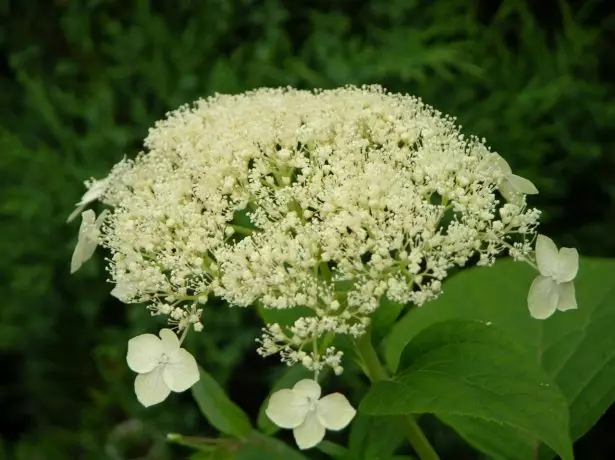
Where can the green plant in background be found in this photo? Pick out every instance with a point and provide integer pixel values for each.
(82, 82)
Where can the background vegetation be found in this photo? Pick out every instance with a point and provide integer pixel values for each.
(81, 82)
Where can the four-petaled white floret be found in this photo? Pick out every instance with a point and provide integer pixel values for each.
(553, 288)
(307, 414)
(162, 366)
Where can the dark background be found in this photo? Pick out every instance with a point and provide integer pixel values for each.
(81, 82)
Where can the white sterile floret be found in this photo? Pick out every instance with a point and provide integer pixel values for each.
(162, 366)
(96, 188)
(512, 187)
(553, 289)
(307, 414)
(87, 240)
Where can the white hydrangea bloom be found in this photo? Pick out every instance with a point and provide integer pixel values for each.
(89, 232)
(328, 200)
(162, 366)
(553, 289)
(307, 414)
(512, 187)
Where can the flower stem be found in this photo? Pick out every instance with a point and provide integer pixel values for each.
(376, 371)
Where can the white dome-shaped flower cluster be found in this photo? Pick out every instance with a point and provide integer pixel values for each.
(328, 200)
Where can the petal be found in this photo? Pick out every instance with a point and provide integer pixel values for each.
(567, 297)
(287, 409)
(542, 298)
(84, 249)
(310, 432)
(76, 212)
(522, 185)
(88, 217)
(87, 240)
(568, 265)
(144, 353)
(170, 342)
(506, 190)
(510, 194)
(96, 190)
(121, 292)
(308, 388)
(100, 219)
(501, 164)
(182, 372)
(547, 256)
(334, 411)
(150, 388)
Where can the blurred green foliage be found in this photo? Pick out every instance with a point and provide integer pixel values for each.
(83, 80)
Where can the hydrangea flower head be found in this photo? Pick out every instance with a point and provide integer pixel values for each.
(162, 366)
(553, 288)
(327, 200)
(307, 414)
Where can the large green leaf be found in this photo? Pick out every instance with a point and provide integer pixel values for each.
(218, 409)
(498, 441)
(473, 369)
(374, 438)
(576, 348)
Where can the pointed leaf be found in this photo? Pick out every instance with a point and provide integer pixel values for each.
(374, 437)
(218, 409)
(576, 348)
(473, 369)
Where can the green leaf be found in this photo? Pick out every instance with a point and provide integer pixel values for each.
(335, 451)
(255, 447)
(218, 409)
(374, 438)
(290, 376)
(575, 348)
(261, 447)
(471, 369)
(193, 442)
(496, 440)
(221, 452)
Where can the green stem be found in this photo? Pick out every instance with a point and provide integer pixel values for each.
(242, 230)
(376, 371)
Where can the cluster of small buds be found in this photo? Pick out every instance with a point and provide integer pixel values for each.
(292, 342)
(326, 200)
(181, 317)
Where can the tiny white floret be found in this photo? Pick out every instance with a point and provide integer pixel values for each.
(162, 366)
(553, 289)
(95, 191)
(512, 187)
(307, 414)
(87, 240)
